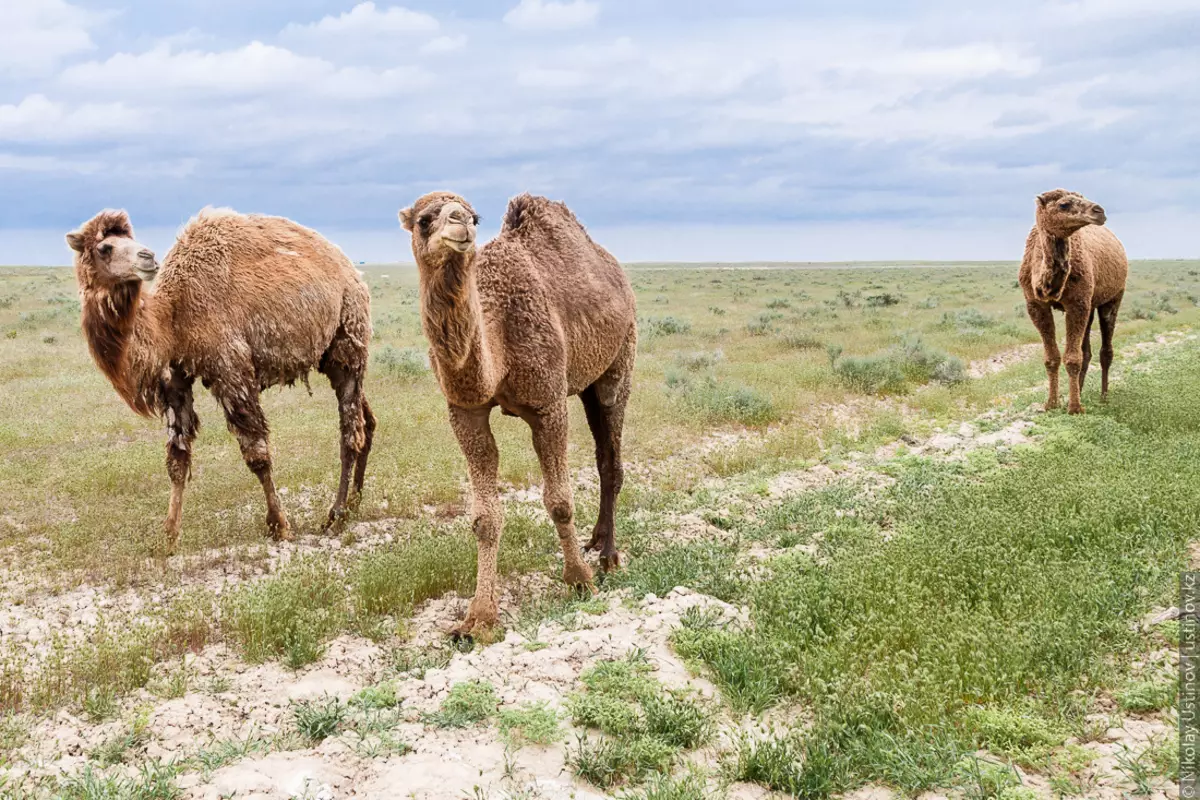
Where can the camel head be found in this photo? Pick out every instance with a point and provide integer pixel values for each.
(106, 253)
(442, 225)
(1061, 213)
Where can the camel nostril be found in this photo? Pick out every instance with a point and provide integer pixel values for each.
(146, 254)
(1098, 210)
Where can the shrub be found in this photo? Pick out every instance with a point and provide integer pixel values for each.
(663, 326)
(701, 360)
(870, 374)
(883, 300)
(405, 362)
(802, 341)
(532, 723)
(318, 720)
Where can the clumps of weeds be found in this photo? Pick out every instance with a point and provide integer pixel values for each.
(803, 341)
(317, 720)
(698, 361)
(468, 703)
(666, 787)
(718, 402)
(775, 763)
(910, 362)
(99, 704)
(986, 780)
(883, 300)
(374, 698)
(116, 748)
(531, 723)
(291, 615)
(154, 781)
(967, 321)
(716, 311)
(663, 326)
(643, 726)
(401, 362)
(779, 303)
(1146, 696)
(763, 324)
(1025, 738)
(749, 684)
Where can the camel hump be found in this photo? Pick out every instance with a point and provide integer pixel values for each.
(527, 211)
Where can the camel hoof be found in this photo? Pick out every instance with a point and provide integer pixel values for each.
(336, 519)
(610, 561)
(1073, 410)
(281, 531)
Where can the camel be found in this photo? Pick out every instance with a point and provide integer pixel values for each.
(537, 315)
(241, 303)
(1074, 264)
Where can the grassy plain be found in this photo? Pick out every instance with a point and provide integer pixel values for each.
(976, 604)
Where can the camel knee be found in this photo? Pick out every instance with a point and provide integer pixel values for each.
(560, 510)
(179, 464)
(1106, 356)
(486, 527)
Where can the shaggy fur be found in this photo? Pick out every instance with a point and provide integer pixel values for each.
(539, 314)
(241, 303)
(1075, 265)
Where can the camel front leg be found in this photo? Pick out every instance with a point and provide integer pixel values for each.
(1077, 325)
(474, 433)
(246, 421)
(550, 436)
(1042, 317)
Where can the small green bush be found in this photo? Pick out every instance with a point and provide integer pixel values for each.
(468, 704)
(406, 362)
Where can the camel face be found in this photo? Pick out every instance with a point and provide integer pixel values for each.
(442, 224)
(1062, 213)
(111, 252)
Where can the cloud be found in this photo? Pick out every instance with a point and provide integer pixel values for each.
(548, 15)
(255, 69)
(37, 118)
(365, 19)
(38, 34)
(444, 44)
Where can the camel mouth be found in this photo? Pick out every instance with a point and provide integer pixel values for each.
(459, 245)
(147, 273)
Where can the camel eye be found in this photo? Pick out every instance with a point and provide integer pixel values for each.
(425, 221)
(1065, 206)
(105, 249)
(475, 219)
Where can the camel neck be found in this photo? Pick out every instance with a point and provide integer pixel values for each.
(119, 327)
(452, 317)
(1056, 260)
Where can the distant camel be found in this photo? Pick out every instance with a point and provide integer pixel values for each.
(539, 314)
(1073, 264)
(242, 303)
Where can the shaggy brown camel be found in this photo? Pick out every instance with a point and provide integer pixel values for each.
(536, 315)
(242, 303)
(1075, 265)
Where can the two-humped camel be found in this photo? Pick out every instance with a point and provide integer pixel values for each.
(535, 316)
(1074, 264)
(241, 303)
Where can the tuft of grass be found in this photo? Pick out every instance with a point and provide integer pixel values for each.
(291, 615)
(402, 362)
(317, 720)
(666, 787)
(532, 723)
(376, 697)
(803, 341)
(1147, 696)
(719, 402)
(468, 704)
(608, 763)
(774, 763)
(154, 781)
(663, 326)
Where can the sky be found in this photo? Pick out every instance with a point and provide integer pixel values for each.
(689, 130)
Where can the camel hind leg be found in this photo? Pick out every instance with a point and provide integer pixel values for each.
(1108, 326)
(352, 411)
(182, 426)
(246, 421)
(604, 403)
(1087, 350)
(345, 364)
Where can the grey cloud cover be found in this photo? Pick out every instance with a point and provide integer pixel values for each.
(664, 121)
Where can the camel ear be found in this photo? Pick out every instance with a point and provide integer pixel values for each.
(75, 242)
(406, 219)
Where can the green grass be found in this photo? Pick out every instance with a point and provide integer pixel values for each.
(467, 704)
(989, 603)
(317, 720)
(532, 723)
(1147, 696)
(644, 727)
